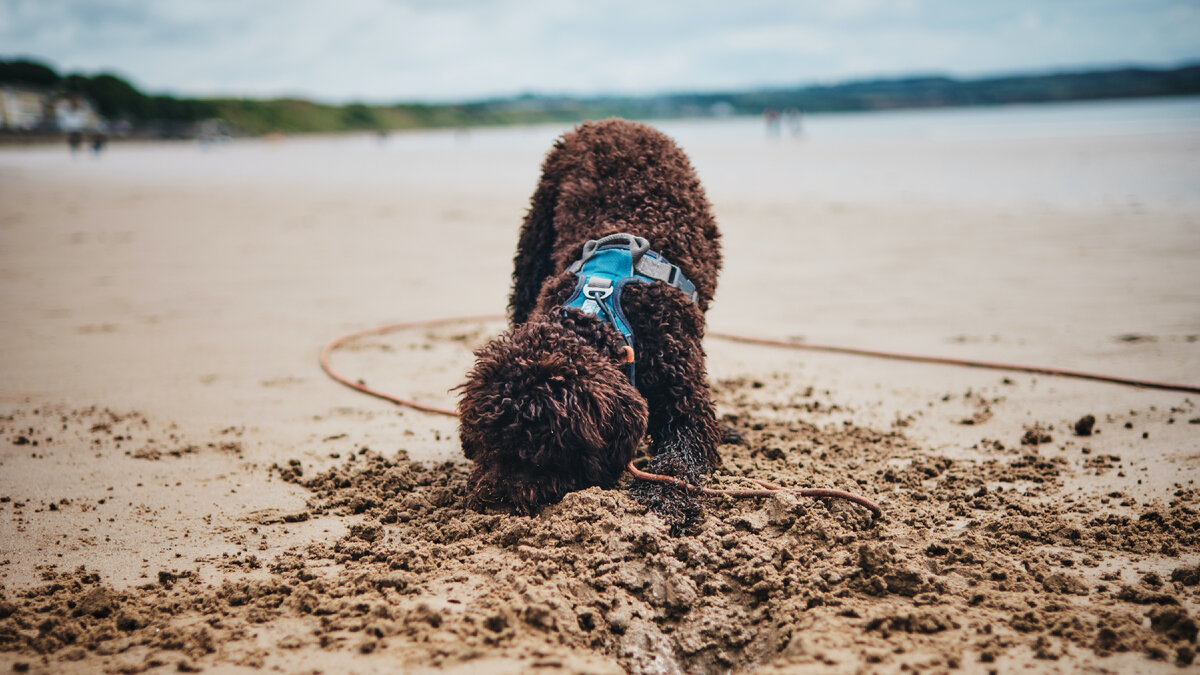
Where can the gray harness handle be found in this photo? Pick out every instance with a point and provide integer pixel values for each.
(637, 245)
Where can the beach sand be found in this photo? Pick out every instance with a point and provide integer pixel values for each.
(182, 488)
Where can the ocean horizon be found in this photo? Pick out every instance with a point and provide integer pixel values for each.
(992, 154)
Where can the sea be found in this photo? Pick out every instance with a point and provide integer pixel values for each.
(1096, 154)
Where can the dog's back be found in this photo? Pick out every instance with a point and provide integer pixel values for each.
(609, 177)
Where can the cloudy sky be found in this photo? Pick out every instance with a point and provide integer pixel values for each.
(393, 50)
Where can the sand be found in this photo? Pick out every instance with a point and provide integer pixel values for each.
(181, 488)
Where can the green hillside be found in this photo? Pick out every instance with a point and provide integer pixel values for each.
(117, 99)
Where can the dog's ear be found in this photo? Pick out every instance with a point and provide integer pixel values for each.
(515, 489)
(575, 413)
(552, 366)
(543, 413)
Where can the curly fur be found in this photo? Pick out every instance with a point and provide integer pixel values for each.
(547, 409)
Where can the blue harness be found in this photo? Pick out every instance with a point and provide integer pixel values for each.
(607, 265)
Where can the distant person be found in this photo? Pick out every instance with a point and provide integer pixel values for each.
(795, 121)
(771, 120)
(98, 142)
(75, 142)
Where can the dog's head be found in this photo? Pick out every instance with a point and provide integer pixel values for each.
(544, 413)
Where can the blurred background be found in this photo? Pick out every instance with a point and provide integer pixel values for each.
(237, 181)
(165, 69)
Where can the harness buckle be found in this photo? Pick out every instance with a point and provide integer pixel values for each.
(597, 288)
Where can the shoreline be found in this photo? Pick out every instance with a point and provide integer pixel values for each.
(11, 139)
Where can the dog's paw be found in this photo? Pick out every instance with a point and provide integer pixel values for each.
(731, 435)
(678, 508)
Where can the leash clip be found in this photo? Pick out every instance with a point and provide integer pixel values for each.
(597, 288)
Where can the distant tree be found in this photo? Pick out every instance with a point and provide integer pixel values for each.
(27, 72)
(113, 97)
(170, 109)
(359, 116)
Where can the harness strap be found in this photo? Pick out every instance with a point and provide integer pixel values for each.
(606, 266)
(659, 269)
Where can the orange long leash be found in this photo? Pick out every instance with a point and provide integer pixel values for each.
(359, 385)
(969, 363)
(766, 488)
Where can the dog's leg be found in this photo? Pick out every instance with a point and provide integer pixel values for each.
(671, 375)
(682, 450)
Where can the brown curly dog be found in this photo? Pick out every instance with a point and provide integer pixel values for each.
(554, 405)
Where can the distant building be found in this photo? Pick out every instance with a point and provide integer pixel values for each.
(23, 108)
(721, 109)
(75, 113)
(213, 130)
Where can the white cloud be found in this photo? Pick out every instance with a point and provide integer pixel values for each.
(387, 50)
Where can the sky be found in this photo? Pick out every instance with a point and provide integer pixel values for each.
(381, 51)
